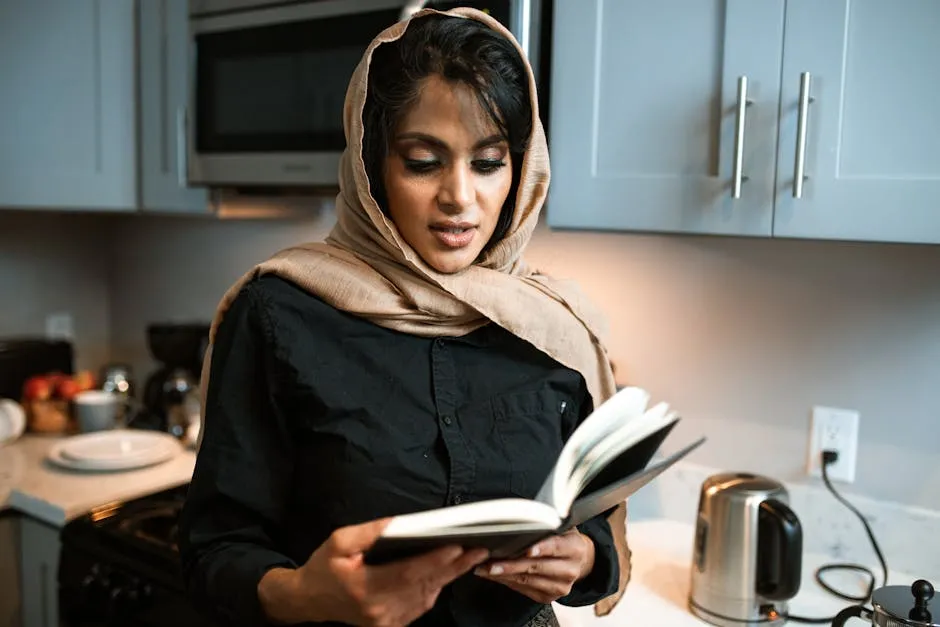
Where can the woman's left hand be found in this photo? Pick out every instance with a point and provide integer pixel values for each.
(549, 569)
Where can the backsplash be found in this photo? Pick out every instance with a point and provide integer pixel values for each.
(56, 263)
(742, 336)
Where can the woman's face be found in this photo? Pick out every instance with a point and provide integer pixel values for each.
(447, 176)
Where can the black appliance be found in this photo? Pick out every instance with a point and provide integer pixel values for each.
(21, 358)
(269, 80)
(179, 349)
(119, 565)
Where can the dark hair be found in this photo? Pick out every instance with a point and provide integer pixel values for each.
(459, 50)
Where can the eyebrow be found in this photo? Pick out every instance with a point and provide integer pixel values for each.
(434, 141)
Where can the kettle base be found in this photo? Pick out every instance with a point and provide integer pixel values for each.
(768, 616)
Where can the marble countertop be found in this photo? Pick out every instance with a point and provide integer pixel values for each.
(32, 485)
(658, 591)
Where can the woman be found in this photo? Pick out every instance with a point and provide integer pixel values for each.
(410, 362)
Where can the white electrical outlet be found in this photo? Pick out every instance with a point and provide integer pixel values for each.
(59, 326)
(834, 429)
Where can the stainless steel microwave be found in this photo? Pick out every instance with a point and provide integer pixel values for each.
(268, 80)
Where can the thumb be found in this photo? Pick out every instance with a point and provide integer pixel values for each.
(348, 541)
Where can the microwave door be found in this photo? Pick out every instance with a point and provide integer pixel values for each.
(269, 88)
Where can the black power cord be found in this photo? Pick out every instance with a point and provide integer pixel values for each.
(830, 457)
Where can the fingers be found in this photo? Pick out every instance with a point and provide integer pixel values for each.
(551, 568)
(540, 590)
(564, 545)
(348, 541)
(434, 569)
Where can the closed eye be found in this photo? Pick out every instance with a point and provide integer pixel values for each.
(488, 166)
(421, 166)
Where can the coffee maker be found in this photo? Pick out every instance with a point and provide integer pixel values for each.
(171, 400)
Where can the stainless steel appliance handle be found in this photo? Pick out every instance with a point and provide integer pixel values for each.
(737, 176)
(182, 147)
(524, 13)
(412, 7)
(799, 166)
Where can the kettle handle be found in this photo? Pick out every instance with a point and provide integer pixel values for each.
(856, 611)
(780, 551)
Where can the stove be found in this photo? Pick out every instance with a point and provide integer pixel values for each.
(119, 565)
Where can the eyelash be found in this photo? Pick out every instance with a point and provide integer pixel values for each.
(483, 166)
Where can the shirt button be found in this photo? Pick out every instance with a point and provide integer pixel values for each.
(448, 420)
(457, 499)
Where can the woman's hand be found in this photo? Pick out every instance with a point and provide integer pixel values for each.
(549, 570)
(335, 584)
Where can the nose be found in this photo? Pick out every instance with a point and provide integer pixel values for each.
(457, 192)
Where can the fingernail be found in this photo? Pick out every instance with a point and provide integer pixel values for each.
(496, 570)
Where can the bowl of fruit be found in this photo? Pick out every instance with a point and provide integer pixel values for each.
(47, 400)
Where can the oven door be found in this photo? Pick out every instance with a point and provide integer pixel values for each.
(268, 87)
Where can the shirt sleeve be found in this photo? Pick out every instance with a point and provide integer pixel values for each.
(238, 493)
(604, 578)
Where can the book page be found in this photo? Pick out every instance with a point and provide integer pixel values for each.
(598, 501)
(615, 444)
(627, 404)
(498, 512)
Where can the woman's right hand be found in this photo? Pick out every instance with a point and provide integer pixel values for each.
(336, 585)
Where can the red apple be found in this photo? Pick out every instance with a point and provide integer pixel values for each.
(67, 389)
(85, 380)
(37, 388)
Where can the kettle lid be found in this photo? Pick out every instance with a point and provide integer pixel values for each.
(907, 605)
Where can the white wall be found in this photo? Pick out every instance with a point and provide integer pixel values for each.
(743, 336)
(52, 263)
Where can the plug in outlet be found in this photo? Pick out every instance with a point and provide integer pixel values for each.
(834, 430)
(59, 326)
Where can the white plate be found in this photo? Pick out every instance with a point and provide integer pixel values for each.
(116, 445)
(169, 448)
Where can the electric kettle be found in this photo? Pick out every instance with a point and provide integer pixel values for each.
(897, 606)
(748, 552)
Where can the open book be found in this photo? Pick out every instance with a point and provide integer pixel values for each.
(605, 460)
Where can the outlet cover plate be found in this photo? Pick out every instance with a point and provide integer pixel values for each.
(834, 429)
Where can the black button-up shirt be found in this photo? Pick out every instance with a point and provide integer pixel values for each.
(317, 419)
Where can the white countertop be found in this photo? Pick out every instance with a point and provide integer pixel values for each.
(659, 588)
(32, 485)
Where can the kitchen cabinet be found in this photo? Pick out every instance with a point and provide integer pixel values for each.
(39, 563)
(94, 106)
(643, 114)
(163, 39)
(684, 118)
(67, 118)
(9, 570)
(872, 149)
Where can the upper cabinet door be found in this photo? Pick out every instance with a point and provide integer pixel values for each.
(645, 111)
(164, 113)
(871, 154)
(67, 124)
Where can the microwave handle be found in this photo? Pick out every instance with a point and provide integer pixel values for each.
(182, 147)
(411, 7)
(525, 20)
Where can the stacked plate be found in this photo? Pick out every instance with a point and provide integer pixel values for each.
(118, 449)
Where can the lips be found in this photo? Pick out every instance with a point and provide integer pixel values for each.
(454, 235)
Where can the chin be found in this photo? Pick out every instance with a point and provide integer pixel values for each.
(451, 263)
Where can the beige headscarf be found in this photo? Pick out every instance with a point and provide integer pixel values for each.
(367, 269)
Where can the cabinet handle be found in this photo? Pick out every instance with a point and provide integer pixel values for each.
(738, 167)
(182, 147)
(799, 166)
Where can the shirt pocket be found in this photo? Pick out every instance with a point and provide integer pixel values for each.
(530, 426)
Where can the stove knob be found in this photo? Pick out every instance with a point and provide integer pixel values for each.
(127, 598)
(96, 588)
